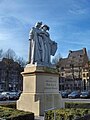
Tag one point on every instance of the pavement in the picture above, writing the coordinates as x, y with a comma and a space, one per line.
39, 117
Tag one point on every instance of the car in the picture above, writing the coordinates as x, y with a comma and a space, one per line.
74, 94
65, 94
85, 94
10, 95
13, 96
19, 93
5, 94
2, 97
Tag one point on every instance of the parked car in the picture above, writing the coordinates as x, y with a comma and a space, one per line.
65, 94
2, 97
10, 95
74, 94
13, 96
5, 94
19, 93
85, 94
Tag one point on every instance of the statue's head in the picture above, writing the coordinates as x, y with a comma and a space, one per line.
38, 24
45, 27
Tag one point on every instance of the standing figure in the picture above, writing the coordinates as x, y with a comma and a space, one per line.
35, 50
41, 46
46, 42
50, 46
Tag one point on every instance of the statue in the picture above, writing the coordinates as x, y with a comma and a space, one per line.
41, 46
35, 44
48, 45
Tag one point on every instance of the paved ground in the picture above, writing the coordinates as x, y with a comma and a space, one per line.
39, 118
7, 102
76, 100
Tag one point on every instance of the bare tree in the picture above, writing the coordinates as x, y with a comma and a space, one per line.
21, 61
10, 54
1, 53
10, 57
56, 59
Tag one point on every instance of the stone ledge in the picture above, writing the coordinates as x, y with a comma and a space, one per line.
30, 69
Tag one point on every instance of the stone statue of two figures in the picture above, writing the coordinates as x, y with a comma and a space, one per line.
41, 46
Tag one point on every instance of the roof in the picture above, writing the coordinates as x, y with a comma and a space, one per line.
75, 53
75, 58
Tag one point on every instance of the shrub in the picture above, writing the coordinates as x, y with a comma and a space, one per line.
77, 105
13, 114
66, 114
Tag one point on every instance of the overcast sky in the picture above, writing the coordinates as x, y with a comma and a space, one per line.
69, 22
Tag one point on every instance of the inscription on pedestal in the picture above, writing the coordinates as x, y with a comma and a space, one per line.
51, 85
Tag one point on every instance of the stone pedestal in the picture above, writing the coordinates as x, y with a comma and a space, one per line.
40, 90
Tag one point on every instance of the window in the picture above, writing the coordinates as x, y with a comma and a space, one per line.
62, 68
84, 75
62, 74
87, 75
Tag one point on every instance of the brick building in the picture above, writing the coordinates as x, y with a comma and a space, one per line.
70, 70
10, 75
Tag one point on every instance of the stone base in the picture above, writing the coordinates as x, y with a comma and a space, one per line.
39, 103
40, 91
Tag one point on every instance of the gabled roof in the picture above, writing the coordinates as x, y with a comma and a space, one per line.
75, 58
75, 53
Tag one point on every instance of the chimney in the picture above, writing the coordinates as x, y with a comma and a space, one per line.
84, 50
70, 51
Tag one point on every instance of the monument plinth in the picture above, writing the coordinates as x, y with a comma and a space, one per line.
40, 90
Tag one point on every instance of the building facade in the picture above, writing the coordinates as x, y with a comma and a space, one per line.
71, 70
10, 75
86, 76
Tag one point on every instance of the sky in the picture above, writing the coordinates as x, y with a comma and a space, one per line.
69, 22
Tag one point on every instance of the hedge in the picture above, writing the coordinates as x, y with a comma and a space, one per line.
66, 114
72, 111
77, 105
13, 114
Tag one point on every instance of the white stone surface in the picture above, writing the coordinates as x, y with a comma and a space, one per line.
41, 46
40, 91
